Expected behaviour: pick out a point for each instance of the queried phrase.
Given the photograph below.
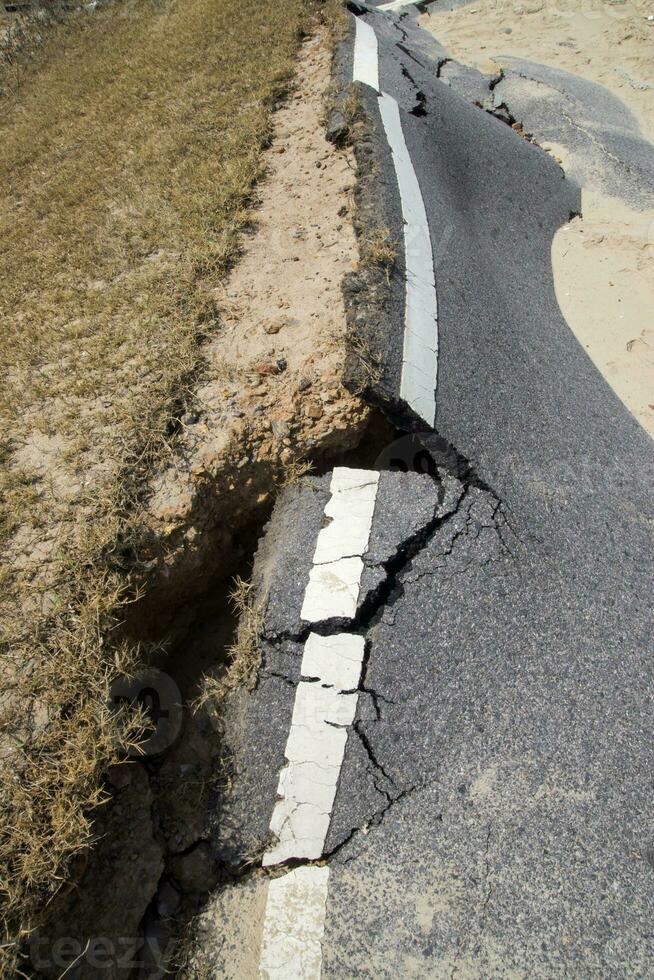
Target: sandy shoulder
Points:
(604, 279)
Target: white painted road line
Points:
(307, 785)
(335, 577)
(349, 511)
(294, 925)
(420, 348)
(420, 357)
(334, 660)
(324, 708)
(333, 591)
(366, 61)
(315, 747)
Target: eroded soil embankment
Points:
(269, 405)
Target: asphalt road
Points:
(485, 806)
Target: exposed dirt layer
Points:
(273, 396)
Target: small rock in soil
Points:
(275, 324)
(313, 410)
(337, 128)
(280, 429)
(264, 369)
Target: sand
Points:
(604, 277)
(602, 262)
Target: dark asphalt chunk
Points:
(255, 729)
(256, 724)
(285, 554)
(398, 528)
(603, 139)
(364, 792)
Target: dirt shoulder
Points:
(271, 396)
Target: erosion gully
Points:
(150, 869)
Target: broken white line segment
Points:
(294, 925)
(335, 577)
(333, 660)
(324, 708)
(420, 348)
(366, 61)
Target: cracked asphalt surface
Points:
(493, 814)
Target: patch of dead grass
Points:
(129, 153)
(380, 249)
(244, 654)
(370, 367)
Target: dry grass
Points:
(370, 366)
(292, 472)
(380, 249)
(244, 654)
(352, 108)
(129, 153)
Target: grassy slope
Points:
(128, 153)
